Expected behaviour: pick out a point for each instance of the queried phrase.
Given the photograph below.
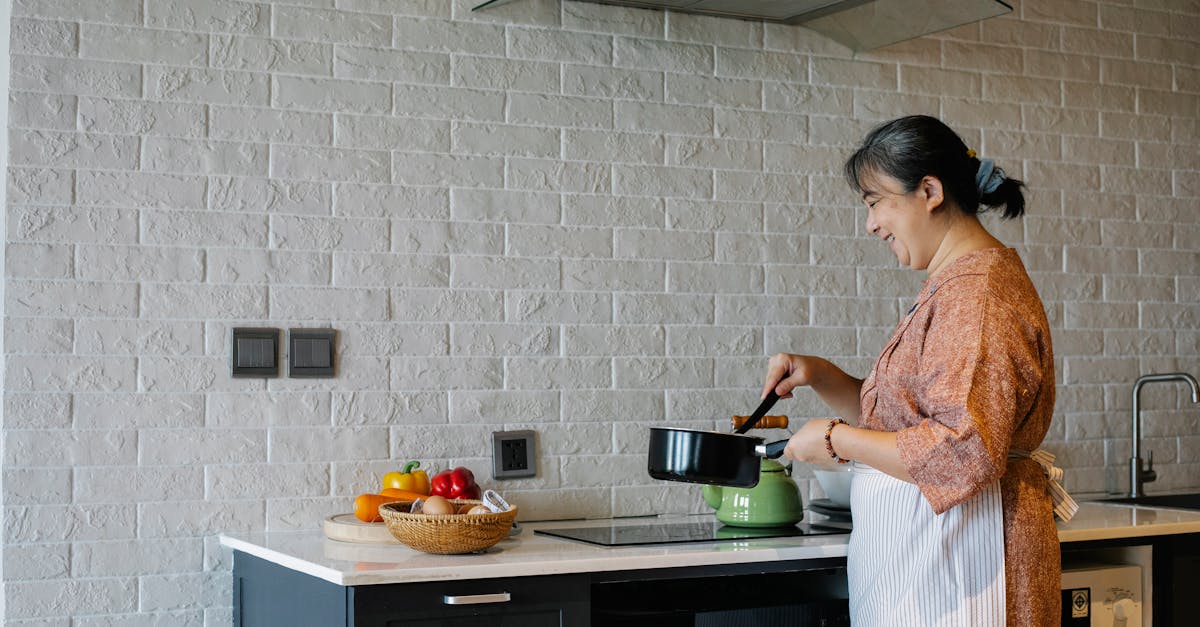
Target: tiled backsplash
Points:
(572, 218)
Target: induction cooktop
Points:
(668, 533)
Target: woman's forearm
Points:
(835, 388)
(876, 449)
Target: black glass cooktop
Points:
(666, 533)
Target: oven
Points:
(766, 594)
(779, 594)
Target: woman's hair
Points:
(913, 147)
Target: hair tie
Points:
(989, 177)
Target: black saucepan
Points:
(728, 459)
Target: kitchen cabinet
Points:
(518, 602)
(1179, 562)
(300, 578)
(267, 594)
(783, 594)
(1172, 573)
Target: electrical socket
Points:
(514, 454)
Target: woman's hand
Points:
(873, 448)
(785, 372)
(807, 444)
(837, 389)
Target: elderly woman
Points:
(953, 520)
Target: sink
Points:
(1178, 501)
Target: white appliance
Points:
(1102, 595)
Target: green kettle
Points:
(774, 502)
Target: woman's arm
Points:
(876, 449)
(841, 392)
(833, 386)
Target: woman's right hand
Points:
(785, 372)
(833, 386)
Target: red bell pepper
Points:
(458, 483)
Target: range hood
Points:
(857, 24)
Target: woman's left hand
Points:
(807, 444)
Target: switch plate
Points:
(514, 454)
(255, 352)
(311, 352)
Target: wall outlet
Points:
(514, 454)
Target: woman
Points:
(953, 522)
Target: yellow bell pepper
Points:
(408, 479)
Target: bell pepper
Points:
(458, 483)
(408, 479)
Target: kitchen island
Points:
(552, 581)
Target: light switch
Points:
(310, 352)
(254, 352)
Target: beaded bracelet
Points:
(829, 441)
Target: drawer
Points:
(524, 601)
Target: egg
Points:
(437, 505)
(479, 509)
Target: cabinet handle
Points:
(470, 599)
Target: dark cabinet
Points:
(797, 592)
(1178, 562)
(777, 594)
(268, 595)
(547, 601)
(1174, 571)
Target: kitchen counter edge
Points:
(528, 554)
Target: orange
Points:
(366, 506)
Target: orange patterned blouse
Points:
(968, 376)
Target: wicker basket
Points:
(446, 534)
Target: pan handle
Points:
(772, 450)
(762, 410)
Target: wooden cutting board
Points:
(347, 528)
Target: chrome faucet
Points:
(1137, 474)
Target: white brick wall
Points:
(568, 217)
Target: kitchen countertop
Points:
(525, 554)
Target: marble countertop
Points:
(526, 553)
(1111, 521)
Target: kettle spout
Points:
(712, 495)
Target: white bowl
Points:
(835, 482)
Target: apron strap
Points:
(1064, 506)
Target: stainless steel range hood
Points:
(856, 24)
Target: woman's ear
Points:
(933, 193)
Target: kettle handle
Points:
(766, 422)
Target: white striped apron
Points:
(909, 567)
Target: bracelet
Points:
(829, 442)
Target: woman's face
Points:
(903, 219)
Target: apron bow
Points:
(1064, 506)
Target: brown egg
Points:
(479, 509)
(437, 505)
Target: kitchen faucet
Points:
(1138, 475)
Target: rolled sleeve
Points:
(967, 384)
